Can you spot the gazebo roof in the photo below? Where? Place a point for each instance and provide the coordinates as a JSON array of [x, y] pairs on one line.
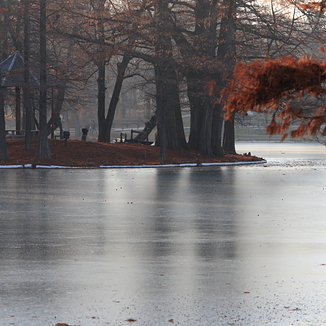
[[12, 73]]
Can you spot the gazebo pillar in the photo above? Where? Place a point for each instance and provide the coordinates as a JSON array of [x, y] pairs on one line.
[[18, 110]]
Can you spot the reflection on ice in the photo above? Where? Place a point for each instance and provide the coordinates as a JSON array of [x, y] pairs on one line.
[[202, 246]]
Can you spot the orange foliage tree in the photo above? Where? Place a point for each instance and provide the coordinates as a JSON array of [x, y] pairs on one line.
[[293, 91]]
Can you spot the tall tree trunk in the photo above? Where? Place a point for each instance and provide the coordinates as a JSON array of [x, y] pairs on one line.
[[106, 122], [205, 124], [98, 6], [227, 55], [160, 81], [26, 87], [195, 101], [205, 115], [229, 136], [101, 101], [176, 139], [217, 130], [43, 149], [206, 128], [170, 125], [168, 101], [3, 146], [160, 105]]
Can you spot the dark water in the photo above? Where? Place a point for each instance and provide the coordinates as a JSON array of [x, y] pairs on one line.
[[239, 245]]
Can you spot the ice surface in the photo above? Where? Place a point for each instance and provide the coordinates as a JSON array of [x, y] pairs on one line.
[[215, 246]]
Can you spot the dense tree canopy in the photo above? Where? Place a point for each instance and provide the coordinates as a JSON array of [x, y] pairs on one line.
[[292, 90]]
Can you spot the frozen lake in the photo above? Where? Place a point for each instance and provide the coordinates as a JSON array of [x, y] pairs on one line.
[[237, 245]]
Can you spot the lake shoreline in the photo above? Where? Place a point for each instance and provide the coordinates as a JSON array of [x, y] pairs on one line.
[[85, 154]]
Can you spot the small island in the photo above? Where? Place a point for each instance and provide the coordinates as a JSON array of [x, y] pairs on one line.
[[89, 154]]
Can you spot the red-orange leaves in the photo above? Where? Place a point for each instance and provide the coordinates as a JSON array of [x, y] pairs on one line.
[[314, 6], [211, 86], [281, 86]]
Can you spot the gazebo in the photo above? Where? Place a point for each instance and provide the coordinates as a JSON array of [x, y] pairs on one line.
[[12, 75]]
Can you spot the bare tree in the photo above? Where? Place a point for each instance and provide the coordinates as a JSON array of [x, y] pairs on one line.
[[43, 149], [26, 86]]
